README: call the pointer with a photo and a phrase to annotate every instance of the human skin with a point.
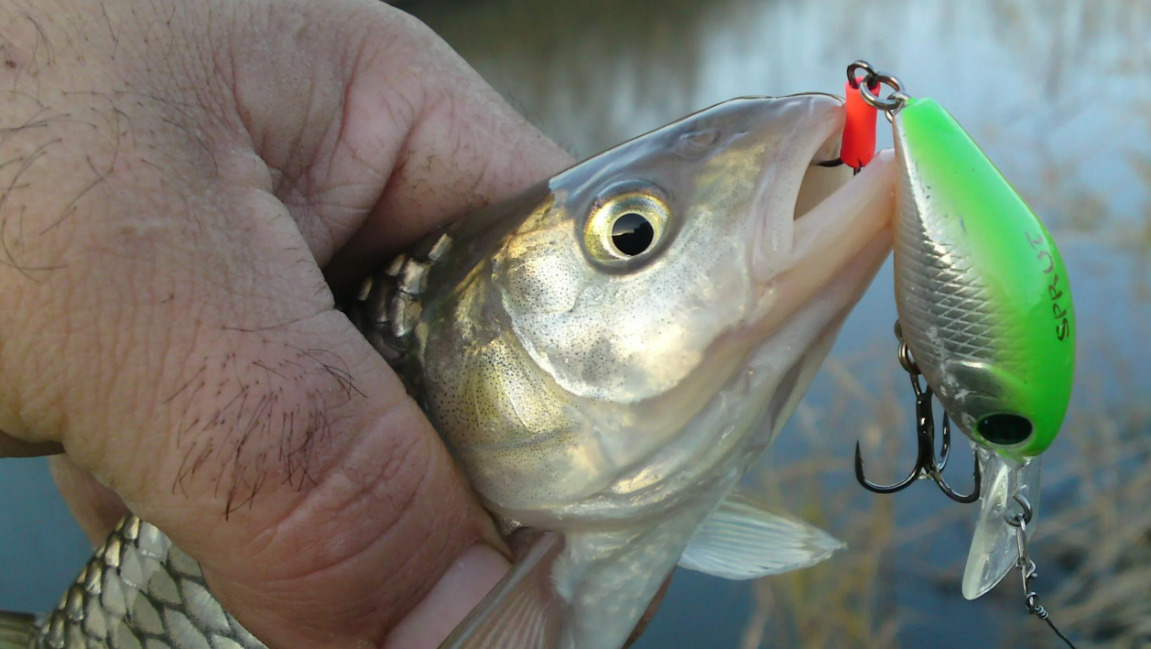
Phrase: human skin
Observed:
(184, 186)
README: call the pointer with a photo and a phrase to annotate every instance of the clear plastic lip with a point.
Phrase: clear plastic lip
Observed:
(994, 548)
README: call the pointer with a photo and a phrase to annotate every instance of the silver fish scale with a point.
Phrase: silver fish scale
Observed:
(387, 307)
(140, 592)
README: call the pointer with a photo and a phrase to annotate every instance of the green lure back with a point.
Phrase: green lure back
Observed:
(983, 297)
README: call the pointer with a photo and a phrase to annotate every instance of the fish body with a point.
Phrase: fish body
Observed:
(985, 307)
(138, 591)
(606, 355)
(616, 391)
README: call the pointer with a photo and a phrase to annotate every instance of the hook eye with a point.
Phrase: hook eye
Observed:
(1019, 519)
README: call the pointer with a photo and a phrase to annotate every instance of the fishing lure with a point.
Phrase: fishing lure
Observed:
(985, 320)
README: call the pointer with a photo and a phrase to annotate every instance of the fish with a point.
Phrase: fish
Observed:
(985, 307)
(606, 355)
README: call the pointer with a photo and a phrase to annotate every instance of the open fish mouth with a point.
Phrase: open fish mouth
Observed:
(814, 221)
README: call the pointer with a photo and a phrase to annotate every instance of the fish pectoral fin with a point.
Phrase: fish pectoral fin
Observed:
(522, 611)
(741, 539)
(16, 630)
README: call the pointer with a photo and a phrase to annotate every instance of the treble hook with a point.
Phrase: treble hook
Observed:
(926, 465)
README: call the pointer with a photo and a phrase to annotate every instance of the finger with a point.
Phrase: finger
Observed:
(364, 194)
(460, 589)
(95, 507)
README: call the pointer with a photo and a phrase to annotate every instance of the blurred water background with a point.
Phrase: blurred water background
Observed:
(1058, 92)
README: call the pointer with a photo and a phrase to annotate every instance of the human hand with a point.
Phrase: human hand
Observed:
(181, 183)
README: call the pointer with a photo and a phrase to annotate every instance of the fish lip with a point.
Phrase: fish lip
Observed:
(791, 258)
(773, 208)
(825, 240)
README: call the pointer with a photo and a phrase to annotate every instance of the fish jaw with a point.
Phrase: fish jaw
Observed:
(610, 569)
(826, 239)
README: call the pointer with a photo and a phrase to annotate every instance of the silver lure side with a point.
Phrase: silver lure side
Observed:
(612, 399)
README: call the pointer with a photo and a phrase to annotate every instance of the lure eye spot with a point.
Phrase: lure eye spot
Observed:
(1005, 429)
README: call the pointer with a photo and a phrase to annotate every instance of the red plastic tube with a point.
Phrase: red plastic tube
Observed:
(858, 146)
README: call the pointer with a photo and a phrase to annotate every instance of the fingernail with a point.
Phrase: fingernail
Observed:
(462, 587)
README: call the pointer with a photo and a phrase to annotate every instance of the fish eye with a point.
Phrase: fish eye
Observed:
(626, 225)
(632, 234)
(1005, 429)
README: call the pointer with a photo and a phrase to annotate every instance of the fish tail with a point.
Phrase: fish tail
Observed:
(17, 630)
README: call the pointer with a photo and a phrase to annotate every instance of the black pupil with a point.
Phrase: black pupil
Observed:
(632, 234)
(1006, 429)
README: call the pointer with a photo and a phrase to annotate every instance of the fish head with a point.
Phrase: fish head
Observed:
(671, 242)
(661, 301)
